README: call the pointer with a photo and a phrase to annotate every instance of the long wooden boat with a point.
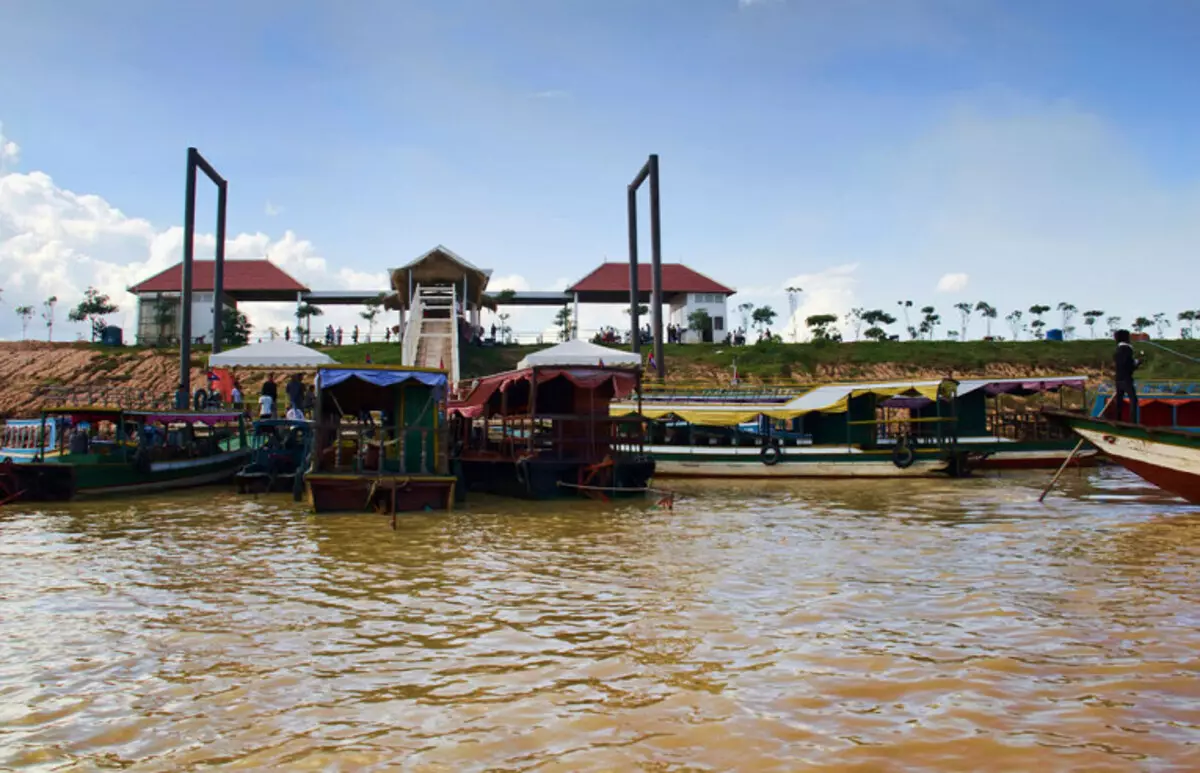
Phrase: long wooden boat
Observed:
(24, 440)
(380, 441)
(1167, 457)
(104, 451)
(893, 429)
(544, 432)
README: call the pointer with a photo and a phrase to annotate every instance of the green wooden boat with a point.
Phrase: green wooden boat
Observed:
(112, 451)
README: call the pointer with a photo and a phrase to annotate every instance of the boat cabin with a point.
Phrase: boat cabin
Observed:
(1174, 404)
(380, 440)
(547, 431)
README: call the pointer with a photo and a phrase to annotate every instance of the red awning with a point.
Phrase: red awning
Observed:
(624, 382)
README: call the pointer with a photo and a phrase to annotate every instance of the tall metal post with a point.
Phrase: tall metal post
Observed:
(648, 171)
(196, 161)
(219, 271)
(185, 297)
(633, 270)
(656, 289)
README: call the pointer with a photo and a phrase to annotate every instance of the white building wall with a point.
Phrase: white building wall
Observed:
(202, 316)
(713, 303)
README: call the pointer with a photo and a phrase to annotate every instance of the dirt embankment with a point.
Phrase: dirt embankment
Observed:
(34, 375)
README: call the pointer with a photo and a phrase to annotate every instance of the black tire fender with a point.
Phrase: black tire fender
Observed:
(770, 454)
(200, 400)
(902, 455)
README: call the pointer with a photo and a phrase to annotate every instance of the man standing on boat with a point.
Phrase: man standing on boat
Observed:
(1125, 363)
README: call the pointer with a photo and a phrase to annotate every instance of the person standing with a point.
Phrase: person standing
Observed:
(295, 392)
(1124, 364)
(270, 389)
(235, 395)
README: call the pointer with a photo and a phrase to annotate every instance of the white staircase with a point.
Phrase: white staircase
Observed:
(431, 335)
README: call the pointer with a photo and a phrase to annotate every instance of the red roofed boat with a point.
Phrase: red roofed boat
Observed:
(545, 432)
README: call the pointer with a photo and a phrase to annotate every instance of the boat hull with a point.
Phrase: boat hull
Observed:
(118, 479)
(353, 493)
(1169, 460)
(1035, 460)
(542, 479)
(808, 462)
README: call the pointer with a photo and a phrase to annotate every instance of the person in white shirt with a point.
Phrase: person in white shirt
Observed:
(266, 407)
(235, 396)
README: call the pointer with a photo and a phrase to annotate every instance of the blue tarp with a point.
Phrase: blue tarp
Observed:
(383, 378)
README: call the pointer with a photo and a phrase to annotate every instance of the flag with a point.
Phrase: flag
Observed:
(442, 364)
(650, 361)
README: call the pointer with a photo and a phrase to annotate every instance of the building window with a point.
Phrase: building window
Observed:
(718, 323)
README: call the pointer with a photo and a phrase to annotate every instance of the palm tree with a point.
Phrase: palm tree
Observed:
(1142, 324)
(793, 294)
(25, 313)
(1013, 319)
(48, 315)
(964, 310)
(1090, 318)
(1068, 315)
(1037, 310)
(1160, 323)
(930, 321)
(988, 312)
(905, 306)
(1184, 316)
(1114, 323)
(745, 309)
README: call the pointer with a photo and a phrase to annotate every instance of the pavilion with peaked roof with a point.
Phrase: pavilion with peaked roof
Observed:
(684, 291)
(243, 281)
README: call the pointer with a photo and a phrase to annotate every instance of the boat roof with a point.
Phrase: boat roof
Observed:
(180, 416)
(624, 381)
(1020, 386)
(829, 398)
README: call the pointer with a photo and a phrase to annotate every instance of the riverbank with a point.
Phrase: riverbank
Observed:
(28, 369)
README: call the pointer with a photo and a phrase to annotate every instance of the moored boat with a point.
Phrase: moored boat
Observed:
(104, 451)
(279, 455)
(1167, 457)
(543, 432)
(379, 441)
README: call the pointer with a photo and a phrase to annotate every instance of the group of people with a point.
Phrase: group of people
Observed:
(301, 399)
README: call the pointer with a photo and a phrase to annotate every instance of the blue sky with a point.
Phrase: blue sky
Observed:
(865, 150)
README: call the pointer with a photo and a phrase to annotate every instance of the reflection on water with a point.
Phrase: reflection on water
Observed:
(872, 625)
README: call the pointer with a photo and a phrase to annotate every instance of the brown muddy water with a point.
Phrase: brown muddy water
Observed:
(867, 625)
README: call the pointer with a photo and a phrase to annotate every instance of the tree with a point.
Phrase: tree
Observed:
(1037, 310)
(700, 321)
(374, 306)
(503, 296)
(48, 315)
(1090, 318)
(745, 309)
(563, 321)
(1142, 324)
(1114, 323)
(793, 294)
(25, 313)
(988, 312)
(505, 330)
(164, 316)
(94, 307)
(1013, 319)
(929, 321)
(641, 310)
(905, 306)
(964, 311)
(763, 316)
(877, 320)
(856, 321)
(952, 335)
(235, 327)
(1189, 317)
(1160, 324)
(1068, 314)
(305, 311)
(820, 325)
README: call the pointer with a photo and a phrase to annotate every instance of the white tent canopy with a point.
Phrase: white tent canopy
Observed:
(578, 352)
(276, 353)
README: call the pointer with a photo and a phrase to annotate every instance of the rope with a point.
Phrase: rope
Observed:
(1172, 351)
(668, 499)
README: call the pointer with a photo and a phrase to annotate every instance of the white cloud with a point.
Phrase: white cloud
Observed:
(57, 242)
(10, 152)
(830, 291)
(270, 210)
(952, 283)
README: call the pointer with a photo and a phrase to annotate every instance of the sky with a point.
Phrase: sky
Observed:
(867, 151)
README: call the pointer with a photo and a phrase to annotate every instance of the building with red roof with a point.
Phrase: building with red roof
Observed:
(243, 280)
(684, 291)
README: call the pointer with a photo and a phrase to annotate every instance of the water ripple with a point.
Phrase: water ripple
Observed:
(869, 625)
